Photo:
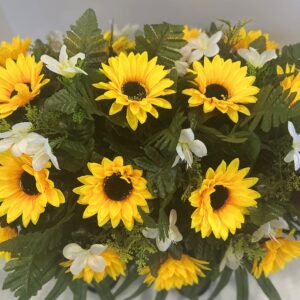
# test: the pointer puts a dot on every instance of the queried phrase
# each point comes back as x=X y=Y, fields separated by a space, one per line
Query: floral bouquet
x=166 y=156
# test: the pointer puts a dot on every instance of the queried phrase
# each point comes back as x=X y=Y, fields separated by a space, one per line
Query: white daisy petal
x=6 y=144
x=78 y=264
x=73 y=250
x=163 y=245
x=96 y=263
x=186 y=135
x=198 y=148
x=97 y=248
x=150 y=233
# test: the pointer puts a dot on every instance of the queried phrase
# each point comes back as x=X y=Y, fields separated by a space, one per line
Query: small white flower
x=82 y=258
x=55 y=39
x=294 y=154
x=269 y=229
x=173 y=234
x=11 y=139
x=187 y=145
x=204 y=46
x=21 y=141
x=65 y=66
x=257 y=60
x=232 y=259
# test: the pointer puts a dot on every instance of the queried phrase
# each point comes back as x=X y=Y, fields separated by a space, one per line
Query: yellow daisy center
x=134 y=90
x=117 y=188
x=216 y=90
x=28 y=184
x=219 y=197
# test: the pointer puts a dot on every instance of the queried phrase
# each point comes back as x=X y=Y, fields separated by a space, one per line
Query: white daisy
x=294 y=154
x=255 y=59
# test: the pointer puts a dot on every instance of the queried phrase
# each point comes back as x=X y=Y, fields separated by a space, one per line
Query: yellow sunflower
x=121 y=44
x=114 y=191
x=13 y=49
x=114 y=267
x=136 y=83
x=23 y=191
x=7 y=233
x=192 y=33
x=279 y=252
x=222 y=200
x=223 y=85
x=246 y=38
x=20 y=82
x=174 y=273
x=291 y=82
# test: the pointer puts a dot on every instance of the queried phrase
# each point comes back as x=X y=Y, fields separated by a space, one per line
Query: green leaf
x=147 y=220
x=79 y=289
x=290 y=54
x=27 y=275
x=268 y=288
x=62 y=281
x=241 y=278
x=195 y=290
x=161 y=295
x=141 y=289
x=162 y=40
x=36 y=242
x=86 y=37
x=168 y=138
x=160 y=175
x=103 y=290
x=259 y=44
x=62 y=101
x=271 y=109
x=131 y=276
x=225 y=277
x=266 y=212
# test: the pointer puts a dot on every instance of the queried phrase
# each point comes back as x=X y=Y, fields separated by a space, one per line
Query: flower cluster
x=165 y=155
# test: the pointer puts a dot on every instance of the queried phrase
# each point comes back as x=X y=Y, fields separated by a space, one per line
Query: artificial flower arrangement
x=169 y=158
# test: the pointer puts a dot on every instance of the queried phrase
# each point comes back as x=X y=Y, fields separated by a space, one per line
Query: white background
x=280 y=18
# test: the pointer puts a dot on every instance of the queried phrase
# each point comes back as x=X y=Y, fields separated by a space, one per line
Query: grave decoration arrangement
x=161 y=157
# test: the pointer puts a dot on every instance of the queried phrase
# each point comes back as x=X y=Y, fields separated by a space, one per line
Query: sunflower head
x=190 y=33
x=292 y=82
x=279 y=252
x=245 y=39
x=20 y=82
x=137 y=84
x=222 y=200
x=7 y=233
x=222 y=85
x=25 y=192
x=114 y=267
x=173 y=273
x=114 y=192
x=13 y=49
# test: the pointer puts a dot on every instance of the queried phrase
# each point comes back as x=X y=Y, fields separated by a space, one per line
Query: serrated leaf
x=86 y=37
x=79 y=289
x=271 y=109
x=62 y=101
x=162 y=40
x=103 y=290
x=27 y=275
x=167 y=139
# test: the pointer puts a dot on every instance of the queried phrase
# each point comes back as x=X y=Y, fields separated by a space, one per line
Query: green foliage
x=159 y=172
x=223 y=281
x=167 y=139
x=271 y=109
x=86 y=37
x=4 y=126
x=242 y=288
x=28 y=274
x=291 y=55
x=268 y=288
x=162 y=40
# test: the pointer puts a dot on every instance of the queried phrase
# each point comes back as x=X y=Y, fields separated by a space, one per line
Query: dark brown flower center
x=219 y=197
x=116 y=188
x=216 y=90
x=134 y=90
x=28 y=184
